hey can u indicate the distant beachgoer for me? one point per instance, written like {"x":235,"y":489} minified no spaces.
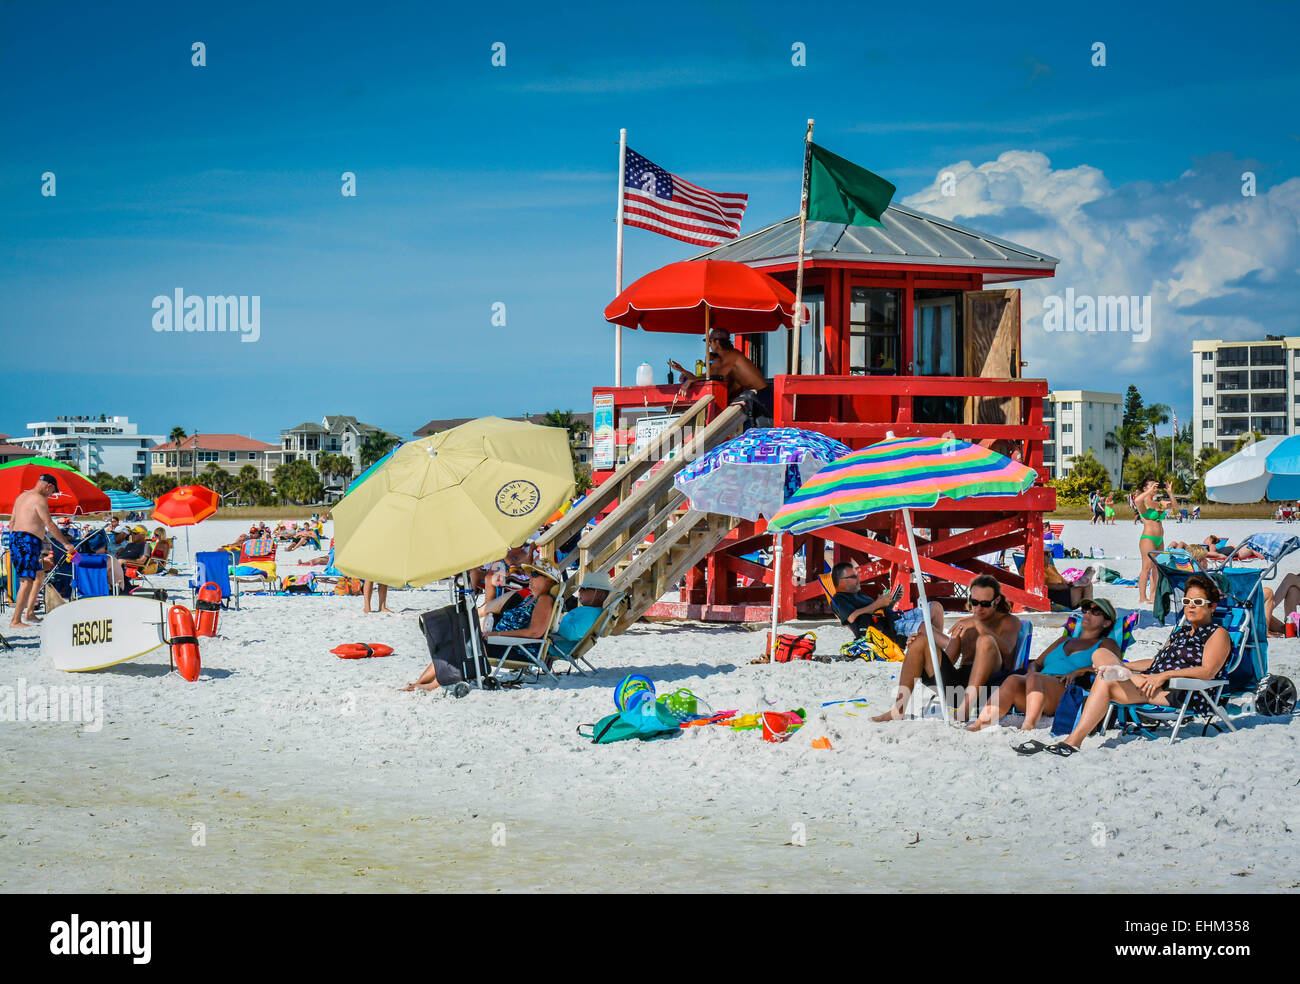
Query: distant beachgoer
{"x":31,"y":520}
{"x":1109,"y":509}
{"x":1152,"y":511}
{"x":367,"y":588}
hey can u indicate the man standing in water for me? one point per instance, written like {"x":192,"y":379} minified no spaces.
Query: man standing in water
{"x":31,"y":520}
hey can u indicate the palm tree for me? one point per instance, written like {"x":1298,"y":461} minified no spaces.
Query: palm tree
{"x":375,"y":446}
{"x":1153,"y":415}
{"x":177,"y":435}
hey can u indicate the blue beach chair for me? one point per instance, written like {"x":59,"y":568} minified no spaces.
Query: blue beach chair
{"x":1241,"y":612}
{"x":90,"y":576}
{"x":214,"y":566}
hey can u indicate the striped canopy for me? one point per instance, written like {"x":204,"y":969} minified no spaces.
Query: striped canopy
{"x":124,"y":501}
{"x":900,"y":473}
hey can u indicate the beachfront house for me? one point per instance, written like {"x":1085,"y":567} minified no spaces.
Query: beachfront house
{"x":186,"y":460}
{"x":336,"y":434}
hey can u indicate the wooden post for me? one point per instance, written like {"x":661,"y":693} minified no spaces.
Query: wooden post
{"x":797,"y":319}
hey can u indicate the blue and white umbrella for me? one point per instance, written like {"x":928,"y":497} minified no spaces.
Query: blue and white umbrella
{"x":753,"y":475}
{"x":128,"y":501}
{"x":1268,"y":469}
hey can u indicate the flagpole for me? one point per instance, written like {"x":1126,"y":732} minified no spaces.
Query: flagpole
{"x":795,"y":357}
{"x":618,"y":254}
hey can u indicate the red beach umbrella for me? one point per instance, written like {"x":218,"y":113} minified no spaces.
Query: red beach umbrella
{"x":76,"y":494}
{"x":695,"y":296}
{"x":186,"y":506}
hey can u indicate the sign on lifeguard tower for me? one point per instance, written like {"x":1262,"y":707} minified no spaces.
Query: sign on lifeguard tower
{"x":602,"y":431}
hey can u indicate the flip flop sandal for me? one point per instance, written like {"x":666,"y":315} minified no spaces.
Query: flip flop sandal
{"x":1062,"y":749}
{"x":1029,"y":747}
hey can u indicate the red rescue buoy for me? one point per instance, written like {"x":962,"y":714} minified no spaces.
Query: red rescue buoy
{"x":184,"y":644}
{"x":360,"y":650}
{"x":205,"y":615}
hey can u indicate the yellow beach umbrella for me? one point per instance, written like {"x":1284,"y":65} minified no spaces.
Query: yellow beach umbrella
{"x":450,"y":502}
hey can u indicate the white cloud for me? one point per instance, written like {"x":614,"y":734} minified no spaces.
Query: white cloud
{"x":1215,"y":264}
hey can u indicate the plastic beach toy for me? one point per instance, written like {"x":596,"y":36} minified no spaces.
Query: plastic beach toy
{"x":626,"y":693}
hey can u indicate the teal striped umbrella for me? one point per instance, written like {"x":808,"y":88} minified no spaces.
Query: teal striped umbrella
{"x":128,"y":501}
{"x":901,"y":474}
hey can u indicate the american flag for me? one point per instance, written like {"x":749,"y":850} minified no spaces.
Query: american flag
{"x":661,"y":202}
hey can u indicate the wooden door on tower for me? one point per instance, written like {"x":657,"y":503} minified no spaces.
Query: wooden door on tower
{"x":991,"y":321}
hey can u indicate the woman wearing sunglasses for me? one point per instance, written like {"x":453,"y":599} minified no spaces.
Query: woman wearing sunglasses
{"x":1196,"y":648}
{"x":1040,"y":690}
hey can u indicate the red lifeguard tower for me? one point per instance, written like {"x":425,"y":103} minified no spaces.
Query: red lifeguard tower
{"x":912,"y":331}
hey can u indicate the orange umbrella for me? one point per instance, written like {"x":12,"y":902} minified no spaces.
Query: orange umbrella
{"x":693,"y":296}
{"x":186,"y":506}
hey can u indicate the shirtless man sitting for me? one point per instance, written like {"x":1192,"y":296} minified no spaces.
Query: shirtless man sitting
{"x":983,"y":643}
{"x":732,"y":368}
{"x":30,"y":522}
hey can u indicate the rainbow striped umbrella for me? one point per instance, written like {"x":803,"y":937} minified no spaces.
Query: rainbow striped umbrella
{"x":901,"y":474}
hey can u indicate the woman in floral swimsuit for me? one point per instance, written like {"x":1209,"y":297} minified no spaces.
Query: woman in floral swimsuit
{"x":1197,"y":648}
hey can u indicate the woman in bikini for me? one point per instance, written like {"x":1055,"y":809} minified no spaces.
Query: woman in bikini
{"x":1197,"y":648}
{"x":1153,"y":534}
{"x":1040,"y":690}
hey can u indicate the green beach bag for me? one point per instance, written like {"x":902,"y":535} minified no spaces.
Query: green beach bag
{"x":645,"y":721}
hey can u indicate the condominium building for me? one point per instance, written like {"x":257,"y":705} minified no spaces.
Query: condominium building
{"x":1079,"y":420}
{"x":93,"y":444}
{"x":188,"y":459}
{"x":1238,"y":387}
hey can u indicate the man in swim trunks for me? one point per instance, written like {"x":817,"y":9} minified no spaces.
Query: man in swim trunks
{"x":31,"y":521}
{"x":744,"y":382}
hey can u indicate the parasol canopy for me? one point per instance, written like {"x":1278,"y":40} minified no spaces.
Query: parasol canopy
{"x":187,"y":505}
{"x":694,"y":296}
{"x":76,"y":493}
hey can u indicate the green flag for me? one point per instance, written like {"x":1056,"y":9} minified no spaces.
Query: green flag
{"x":840,"y":191}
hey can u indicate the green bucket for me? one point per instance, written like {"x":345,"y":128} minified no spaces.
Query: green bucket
{"x":680,"y":702}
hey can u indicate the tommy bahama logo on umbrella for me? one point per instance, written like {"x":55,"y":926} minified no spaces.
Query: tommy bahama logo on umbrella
{"x":518,"y":498}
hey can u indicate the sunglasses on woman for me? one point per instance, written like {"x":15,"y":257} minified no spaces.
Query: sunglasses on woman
{"x":977,"y":603}
{"x":1197,"y":602}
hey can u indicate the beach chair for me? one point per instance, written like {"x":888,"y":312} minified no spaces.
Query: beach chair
{"x":575,"y":652}
{"x":1241,"y":612}
{"x":214,"y":566}
{"x":535,"y":652}
{"x":90,"y":577}
{"x":256,"y":564}
{"x":1024,"y":643}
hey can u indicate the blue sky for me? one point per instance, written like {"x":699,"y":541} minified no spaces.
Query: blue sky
{"x":478,"y":185}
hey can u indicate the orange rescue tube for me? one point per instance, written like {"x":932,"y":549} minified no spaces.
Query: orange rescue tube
{"x":184,"y":643}
{"x":205,"y":615}
{"x":361,"y":650}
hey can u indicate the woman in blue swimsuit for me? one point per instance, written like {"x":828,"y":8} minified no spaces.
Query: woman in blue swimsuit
{"x":1040,"y":690}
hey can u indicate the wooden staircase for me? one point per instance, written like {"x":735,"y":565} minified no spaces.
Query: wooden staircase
{"x":651,"y":538}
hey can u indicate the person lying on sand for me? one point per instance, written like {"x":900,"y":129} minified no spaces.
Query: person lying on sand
{"x":1197,"y":648}
{"x":1041,"y":687}
{"x":979,"y":646}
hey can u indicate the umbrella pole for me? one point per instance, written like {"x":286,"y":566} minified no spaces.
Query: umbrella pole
{"x":776,"y":593}
{"x":925,"y":610}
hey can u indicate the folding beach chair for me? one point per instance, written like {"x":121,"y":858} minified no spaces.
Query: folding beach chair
{"x":214,"y":566}
{"x":534,"y":651}
{"x":259,"y":555}
{"x":1241,"y":612}
{"x":574,"y":652}
{"x":90,"y":577}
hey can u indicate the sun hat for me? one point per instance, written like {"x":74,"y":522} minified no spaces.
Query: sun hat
{"x":597,"y":581}
{"x":139,"y":529}
{"x":1104,"y":606}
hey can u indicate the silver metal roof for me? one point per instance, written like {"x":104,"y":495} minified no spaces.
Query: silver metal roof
{"x":909,"y":236}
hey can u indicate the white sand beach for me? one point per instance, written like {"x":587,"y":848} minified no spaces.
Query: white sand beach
{"x":285,"y":768}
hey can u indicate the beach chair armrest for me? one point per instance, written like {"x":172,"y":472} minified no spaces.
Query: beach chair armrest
{"x":511,"y":640}
{"x":1194,"y":683}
